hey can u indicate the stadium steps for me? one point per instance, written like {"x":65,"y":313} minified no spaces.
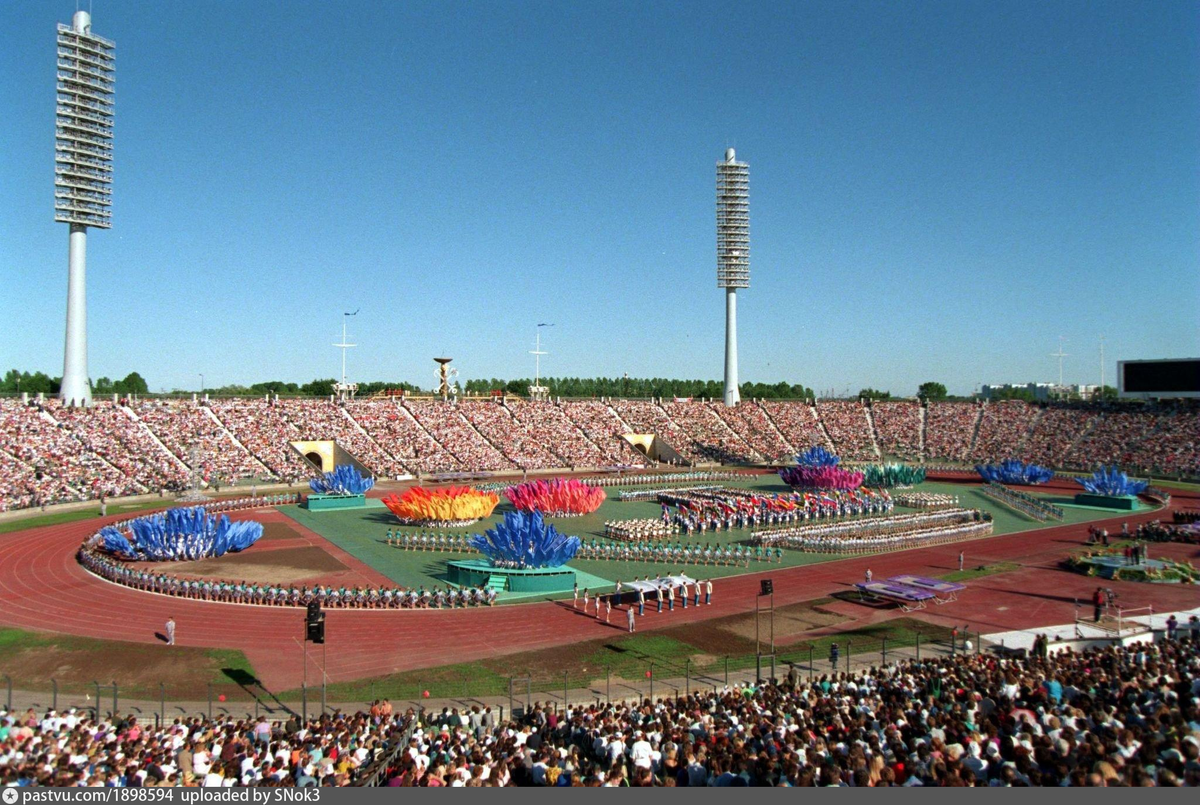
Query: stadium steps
{"x":213,"y":416}
{"x":583,"y":434}
{"x":638,"y":454}
{"x":924,"y":414}
{"x":1024,"y":442}
{"x":403,"y":410}
{"x":86,"y":449}
{"x":871,"y":430}
{"x":975,"y":431}
{"x":497,"y":583}
{"x":129,"y":412}
{"x":354,"y":423}
{"x":750,"y":453}
{"x":812,"y":409}
{"x":497,"y":447}
{"x":1079,"y":437}
{"x":774,"y":428}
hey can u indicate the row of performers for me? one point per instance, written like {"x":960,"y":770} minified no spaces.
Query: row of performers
{"x":716,"y":512}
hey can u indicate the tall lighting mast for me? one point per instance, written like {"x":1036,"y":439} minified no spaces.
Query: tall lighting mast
{"x":733,"y":254}
{"x":82,"y":175}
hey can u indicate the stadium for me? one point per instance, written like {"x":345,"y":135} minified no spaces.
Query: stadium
{"x":552,"y":583}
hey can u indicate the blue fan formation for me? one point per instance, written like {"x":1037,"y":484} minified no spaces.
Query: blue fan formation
{"x":817,"y":456}
{"x":1014,"y":472}
{"x":181,"y":534}
{"x":1111,"y":481}
{"x":523,"y":540}
{"x":344,"y":480}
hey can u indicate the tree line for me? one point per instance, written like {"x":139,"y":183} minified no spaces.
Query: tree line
{"x":16,"y":381}
{"x":637,"y":387}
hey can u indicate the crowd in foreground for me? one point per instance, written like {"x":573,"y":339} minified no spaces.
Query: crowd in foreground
{"x":1120,"y":716}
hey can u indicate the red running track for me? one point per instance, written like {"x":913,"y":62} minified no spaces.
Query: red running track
{"x":42,"y":587}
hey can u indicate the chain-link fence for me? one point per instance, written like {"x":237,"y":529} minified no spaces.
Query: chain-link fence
{"x":629,"y":675}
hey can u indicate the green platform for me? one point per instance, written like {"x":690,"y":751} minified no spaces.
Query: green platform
{"x":1125,"y":503}
{"x":480,"y":573}
{"x":328,"y":503}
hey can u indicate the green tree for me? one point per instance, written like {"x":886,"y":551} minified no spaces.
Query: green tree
{"x":874,"y":394}
{"x":1013,"y":394}
{"x":931,"y":391}
{"x":134,"y":384}
{"x":319,"y":388}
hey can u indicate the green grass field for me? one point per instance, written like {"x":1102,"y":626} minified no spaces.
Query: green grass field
{"x":362,"y":533}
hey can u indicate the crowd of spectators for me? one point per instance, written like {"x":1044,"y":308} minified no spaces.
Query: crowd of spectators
{"x":506,"y":433}
{"x":261,"y":428}
{"x":111,"y":433}
{"x":604,"y":429}
{"x":1003,"y":426}
{"x":949,"y":428}
{"x":645,"y":416}
{"x":710,"y":436}
{"x":1173,"y":444}
{"x":1112,"y":439}
{"x":898,"y":428}
{"x":848,"y":428}
{"x":184,"y":426}
{"x":797,"y":423}
{"x":749,"y":421}
{"x":326,"y":419}
{"x":452,"y":430}
{"x":548,"y":424}
{"x":72,"y":747}
{"x":390,"y":425}
{"x":57,"y":454}
{"x":1053,"y":434}
{"x":60,"y":467}
{"x":1121,"y":716}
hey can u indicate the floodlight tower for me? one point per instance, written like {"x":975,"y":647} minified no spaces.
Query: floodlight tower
{"x":82,"y":175}
{"x":733,"y":254}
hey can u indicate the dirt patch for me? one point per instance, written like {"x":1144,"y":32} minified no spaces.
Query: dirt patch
{"x":75,"y":663}
{"x":735,"y":634}
{"x":282,"y":566}
{"x":713,"y":638}
{"x":279,"y":531}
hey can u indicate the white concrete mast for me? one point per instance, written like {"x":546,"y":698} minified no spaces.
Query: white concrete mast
{"x":82,"y":176}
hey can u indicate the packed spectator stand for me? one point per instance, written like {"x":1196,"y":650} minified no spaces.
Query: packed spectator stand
{"x":797,"y":423}
{"x":50,"y":454}
{"x":950,"y":430}
{"x":898,"y":428}
{"x":604,"y":428}
{"x":708,"y":434}
{"x":750,"y":422}
{"x":1002,"y":428}
{"x":548,"y":424}
{"x":846,"y":423}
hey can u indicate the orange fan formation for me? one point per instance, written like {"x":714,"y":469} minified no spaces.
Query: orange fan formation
{"x":446,"y":504}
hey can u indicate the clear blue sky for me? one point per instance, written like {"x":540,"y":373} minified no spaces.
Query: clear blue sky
{"x":938,"y":190}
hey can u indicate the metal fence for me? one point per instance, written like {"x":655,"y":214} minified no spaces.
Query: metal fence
{"x":627,"y":676}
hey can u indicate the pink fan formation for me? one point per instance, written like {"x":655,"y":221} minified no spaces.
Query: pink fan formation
{"x":559,"y":497}
{"x":828,"y":477}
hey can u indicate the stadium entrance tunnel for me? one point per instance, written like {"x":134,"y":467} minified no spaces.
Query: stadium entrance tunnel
{"x":324,"y":455}
{"x":654,"y":447}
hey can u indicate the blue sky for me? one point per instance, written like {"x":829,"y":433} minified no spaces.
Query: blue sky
{"x":938,"y":190}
